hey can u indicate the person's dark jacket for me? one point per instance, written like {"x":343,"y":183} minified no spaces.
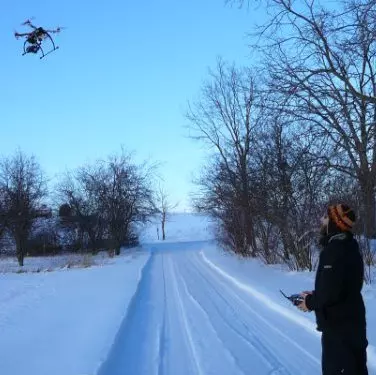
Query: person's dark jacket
{"x":337,"y":299}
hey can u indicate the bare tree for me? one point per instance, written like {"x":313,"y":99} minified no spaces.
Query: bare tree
{"x":106,"y":199}
{"x":217,"y":196}
{"x":164,"y":207}
{"x":225,"y":118}
{"x":268,"y":239}
{"x":78,"y":192}
{"x":290,"y":189}
{"x":369,"y":256}
{"x":23,"y":187}
{"x":126,"y":197}
{"x":321,"y":62}
{"x":2,"y":213}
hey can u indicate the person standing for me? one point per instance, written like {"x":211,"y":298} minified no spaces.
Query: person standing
{"x":337,"y":300}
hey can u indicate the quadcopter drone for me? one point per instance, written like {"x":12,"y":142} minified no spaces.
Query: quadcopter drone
{"x":35,"y":38}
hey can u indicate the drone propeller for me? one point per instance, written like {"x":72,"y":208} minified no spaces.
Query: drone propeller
{"x":55,"y":31}
{"x":28,"y":21}
{"x":18,"y":35}
{"x":59,"y":29}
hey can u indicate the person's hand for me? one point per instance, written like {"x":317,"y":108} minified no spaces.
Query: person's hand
{"x":302,"y":306}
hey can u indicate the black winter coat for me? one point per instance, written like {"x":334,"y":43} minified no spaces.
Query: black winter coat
{"x":337,"y":299}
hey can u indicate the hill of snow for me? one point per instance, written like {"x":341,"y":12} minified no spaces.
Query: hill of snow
{"x":179,"y":227}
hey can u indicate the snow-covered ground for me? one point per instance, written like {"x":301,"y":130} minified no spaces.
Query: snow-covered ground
{"x":50,"y":263}
{"x":176,"y":307}
{"x":64,"y":322}
{"x":179,"y":227}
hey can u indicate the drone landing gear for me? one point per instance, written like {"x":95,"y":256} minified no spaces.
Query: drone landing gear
{"x":35,"y":48}
{"x":47,"y":53}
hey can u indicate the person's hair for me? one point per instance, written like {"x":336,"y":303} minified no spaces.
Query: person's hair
{"x":332,"y":228}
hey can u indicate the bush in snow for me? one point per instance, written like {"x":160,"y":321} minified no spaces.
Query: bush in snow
{"x":44,"y":238}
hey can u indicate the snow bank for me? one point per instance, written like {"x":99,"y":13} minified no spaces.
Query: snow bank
{"x":264,"y":282}
{"x":64,"y":322}
{"x":49,"y":263}
{"x":266,"y":300}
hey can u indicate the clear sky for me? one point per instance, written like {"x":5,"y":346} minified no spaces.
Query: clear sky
{"x":123,"y":75}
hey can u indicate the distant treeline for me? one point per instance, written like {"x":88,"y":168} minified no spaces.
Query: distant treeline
{"x":94,"y":207}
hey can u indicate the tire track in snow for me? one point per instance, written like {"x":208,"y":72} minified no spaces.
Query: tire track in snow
{"x":209,"y":322}
{"x":244,"y":332}
{"x":162,"y":336}
{"x":246,"y":306}
{"x":305,"y":323}
{"x":195,"y":357}
{"x":127,"y":354}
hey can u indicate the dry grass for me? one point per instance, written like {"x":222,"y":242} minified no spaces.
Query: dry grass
{"x":85,"y":261}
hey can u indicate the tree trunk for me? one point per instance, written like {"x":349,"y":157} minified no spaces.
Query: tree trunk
{"x":116,"y":243}
{"x":20,"y":251}
{"x":247,"y":221}
{"x":286,"y":241}
{"x":250,"y":237}
{"x":369,"y":209}
{"x":163,"y":226}
{"x":20,"y":258}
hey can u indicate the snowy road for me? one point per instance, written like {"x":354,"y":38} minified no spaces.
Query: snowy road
{"x":190,"y":317}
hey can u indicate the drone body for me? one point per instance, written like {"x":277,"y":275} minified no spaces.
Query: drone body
{"x":35,"y":38}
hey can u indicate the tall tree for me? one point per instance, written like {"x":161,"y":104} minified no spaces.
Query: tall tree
{"x":23,"y":187}
{"x":225,"y":117}
{"x":126,"y":196}
{"x":321,"y":59}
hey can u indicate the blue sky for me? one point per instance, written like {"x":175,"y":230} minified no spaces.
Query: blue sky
{"x":123,"y":75}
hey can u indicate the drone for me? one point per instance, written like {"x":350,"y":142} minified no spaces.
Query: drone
{"x":35,"y":38}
